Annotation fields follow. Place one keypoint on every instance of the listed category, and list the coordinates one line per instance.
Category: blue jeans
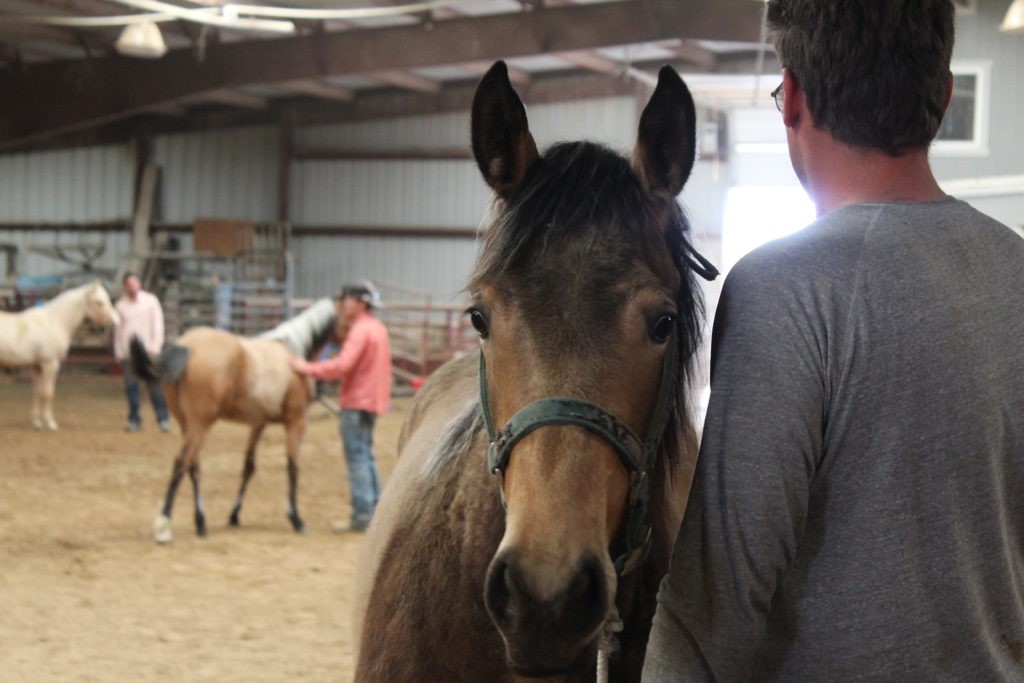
(363, 479)
(131, 389)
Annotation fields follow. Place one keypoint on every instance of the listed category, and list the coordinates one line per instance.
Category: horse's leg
(247, 471)
(48, 376)
(37, 397)
(200, 515)
(189, 454)
(295, 429)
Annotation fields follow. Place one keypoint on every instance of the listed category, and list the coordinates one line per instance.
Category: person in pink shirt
(364, 368)
(142, 317)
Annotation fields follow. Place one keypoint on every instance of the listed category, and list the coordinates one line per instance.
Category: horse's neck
(68, 309)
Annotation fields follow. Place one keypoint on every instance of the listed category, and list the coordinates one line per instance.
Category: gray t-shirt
(857, 512)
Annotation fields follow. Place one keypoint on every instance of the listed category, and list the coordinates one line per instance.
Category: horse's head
(580, 291)
(98, 307)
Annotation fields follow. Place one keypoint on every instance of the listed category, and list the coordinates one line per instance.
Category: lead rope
(608, 644)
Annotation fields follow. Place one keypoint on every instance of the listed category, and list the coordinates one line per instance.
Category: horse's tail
(167, 367)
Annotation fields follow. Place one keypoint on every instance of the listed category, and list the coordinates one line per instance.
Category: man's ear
(793, 100)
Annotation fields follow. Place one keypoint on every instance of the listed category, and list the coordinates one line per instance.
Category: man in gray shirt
(857, 512)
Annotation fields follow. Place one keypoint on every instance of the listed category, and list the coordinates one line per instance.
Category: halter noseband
(639, 457)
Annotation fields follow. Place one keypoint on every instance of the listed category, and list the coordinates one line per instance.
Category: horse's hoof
(233, 521)
(162, 533)
(52, 427)
(298, 524)
(37, 425)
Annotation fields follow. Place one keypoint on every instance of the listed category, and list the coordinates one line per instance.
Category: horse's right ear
(502, 144)
(666, 145)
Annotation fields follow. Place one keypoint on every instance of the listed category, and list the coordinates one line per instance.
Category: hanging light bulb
(141, 40)
(1014, 20)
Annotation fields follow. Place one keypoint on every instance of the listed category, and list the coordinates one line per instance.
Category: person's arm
(748, 504)
(120, 334)
(341, 366)
(158, 326)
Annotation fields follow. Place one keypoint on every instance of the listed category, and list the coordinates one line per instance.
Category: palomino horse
(40, 338)
(210, 374)
(588, 313)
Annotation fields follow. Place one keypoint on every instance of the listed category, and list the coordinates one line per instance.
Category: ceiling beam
(592, 61)
(231, 98)
(690, 51)
(114, 87)
(407, 80)
(317, 89)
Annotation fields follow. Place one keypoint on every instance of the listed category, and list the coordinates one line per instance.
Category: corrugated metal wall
(437, 265)
(439, 194)
(229, 173)
(88, 184)
(977, 38)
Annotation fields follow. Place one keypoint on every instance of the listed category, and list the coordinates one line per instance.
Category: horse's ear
(666, 144)
(502, 144)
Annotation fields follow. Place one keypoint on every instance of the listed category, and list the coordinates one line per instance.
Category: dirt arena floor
(85, 593)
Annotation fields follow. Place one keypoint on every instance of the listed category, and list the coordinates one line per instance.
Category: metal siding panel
(442, 193)
(66, 186)
(439, 266)
(229, 173)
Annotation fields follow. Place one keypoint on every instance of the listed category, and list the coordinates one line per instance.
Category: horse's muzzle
(551, 635)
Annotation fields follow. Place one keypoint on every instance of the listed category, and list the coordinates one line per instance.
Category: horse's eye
(476, 318)
(663, 328)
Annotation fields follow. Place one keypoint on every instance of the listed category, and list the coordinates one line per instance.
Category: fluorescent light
(1014, 20)
(141, 40)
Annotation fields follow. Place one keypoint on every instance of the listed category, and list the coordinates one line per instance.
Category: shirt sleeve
(341, 366)
(748, 503)
(158, 326)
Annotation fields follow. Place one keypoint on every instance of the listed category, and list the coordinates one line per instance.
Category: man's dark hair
(126, 276)
(874, 71)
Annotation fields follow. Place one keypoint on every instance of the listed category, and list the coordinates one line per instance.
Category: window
(964, 129)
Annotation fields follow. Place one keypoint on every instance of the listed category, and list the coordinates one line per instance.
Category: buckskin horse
(211, 374)
(40, 338)
(586, 304)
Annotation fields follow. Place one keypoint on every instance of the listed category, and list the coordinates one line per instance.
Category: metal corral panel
(442, 193)
(437, 265)
(82, 185)
(228, 173)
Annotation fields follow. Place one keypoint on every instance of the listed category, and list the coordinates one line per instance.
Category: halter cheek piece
(639, 457)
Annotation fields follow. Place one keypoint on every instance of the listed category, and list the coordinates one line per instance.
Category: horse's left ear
(503, 147)
(666, 144)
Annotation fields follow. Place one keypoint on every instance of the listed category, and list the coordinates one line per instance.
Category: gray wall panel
(81, 185)
(229, 173)
(437, 265)
(978, 39)
(388, 193)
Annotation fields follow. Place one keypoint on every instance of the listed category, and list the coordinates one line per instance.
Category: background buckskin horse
(40, 338)
(583, 290)
(210, 375)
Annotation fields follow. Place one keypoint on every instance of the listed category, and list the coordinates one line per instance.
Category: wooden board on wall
(222, 237)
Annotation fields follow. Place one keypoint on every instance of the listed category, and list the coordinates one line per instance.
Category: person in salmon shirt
(364, 369)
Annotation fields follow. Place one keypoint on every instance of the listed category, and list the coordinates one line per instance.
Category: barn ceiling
(61, 81)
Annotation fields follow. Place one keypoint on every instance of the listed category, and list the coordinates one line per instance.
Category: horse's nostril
(500, 588)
